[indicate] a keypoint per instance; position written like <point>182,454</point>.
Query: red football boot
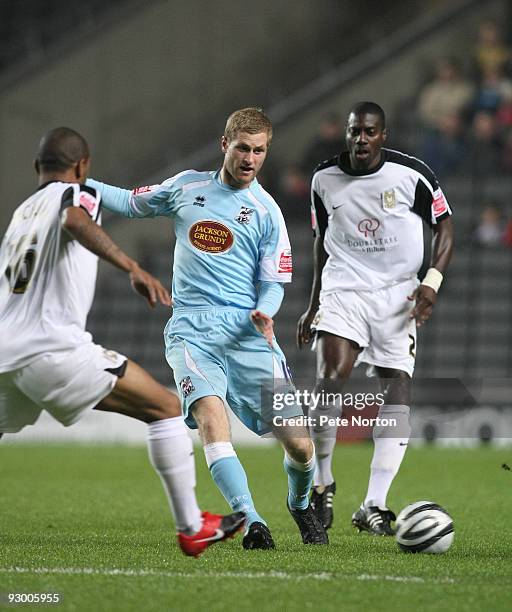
<point>216,528</point>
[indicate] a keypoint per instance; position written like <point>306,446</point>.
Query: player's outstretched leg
<point>227,471</point>
<point>138,395</point>
<point>390,446</point>
<point>299,464</point>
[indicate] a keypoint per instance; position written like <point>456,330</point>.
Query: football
<point>424,527</point>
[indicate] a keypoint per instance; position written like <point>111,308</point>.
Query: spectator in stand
<point>444,149</point>
<point>494,89</point>
<point>490,52</point>
<point>484,148</point>
<point>491,228</point>
<point>445,96</point>
<point>329,141</point>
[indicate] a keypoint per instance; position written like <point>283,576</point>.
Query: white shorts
<point>64,383</point>
<point>378,321</point>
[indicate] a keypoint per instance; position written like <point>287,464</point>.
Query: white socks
<point>324,439</point>
<point>390,446</point>
<point>324,448</point>
<point>171,454</point>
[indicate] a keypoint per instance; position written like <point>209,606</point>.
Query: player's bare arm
<point>442,248</point>
<point>90,235</point>
<point>304,324</point>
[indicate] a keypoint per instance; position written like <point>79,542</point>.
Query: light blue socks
<point>300,480</point>
<point>230,477</point>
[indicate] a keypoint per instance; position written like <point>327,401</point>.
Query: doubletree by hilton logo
<point>368,227</point>
<point>211,236</point>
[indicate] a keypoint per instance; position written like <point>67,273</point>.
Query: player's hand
<point>425,298</point>
<point>149,287</point>
<point>264,324</point>
<point>304,333</point>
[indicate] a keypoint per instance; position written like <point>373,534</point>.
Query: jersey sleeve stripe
<point>68,198</point>
<point>423,202</point>
<point>196,185</point>
<point>186,174</point>
<point>90,190</point>
<point>395,157</point>
<point>328,163</point>
<point>263,210</point>
<point>321,215</point>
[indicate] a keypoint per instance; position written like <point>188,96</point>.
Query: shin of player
<point>390,441</point>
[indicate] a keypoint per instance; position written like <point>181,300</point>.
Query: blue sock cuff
<point>300,467</point>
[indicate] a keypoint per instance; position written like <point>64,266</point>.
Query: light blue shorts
<point>217,351</point>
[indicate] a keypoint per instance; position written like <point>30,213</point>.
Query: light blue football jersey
<point>226,239</point>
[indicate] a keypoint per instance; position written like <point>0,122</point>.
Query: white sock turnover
<point>172,455</point>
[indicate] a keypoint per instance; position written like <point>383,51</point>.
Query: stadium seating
<point>28,28</point>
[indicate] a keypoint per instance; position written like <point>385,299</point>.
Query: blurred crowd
<point>465,110</point>
<point>459,123</point>
<point>493,229</point>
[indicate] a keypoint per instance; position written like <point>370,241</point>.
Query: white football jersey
<point>372,221</point>
<point>47,279</point>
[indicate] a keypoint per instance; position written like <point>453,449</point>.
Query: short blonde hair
<point>251,120</point>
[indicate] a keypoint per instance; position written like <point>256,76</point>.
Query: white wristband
<point>433,279</point>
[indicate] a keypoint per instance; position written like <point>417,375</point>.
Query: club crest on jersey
<point>211,236</point>
<point>199,200</point>
<point>245,215</point>
<point>186,386</point>
<point>389,199</point>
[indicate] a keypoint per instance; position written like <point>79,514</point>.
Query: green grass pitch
<point>92,524</point>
